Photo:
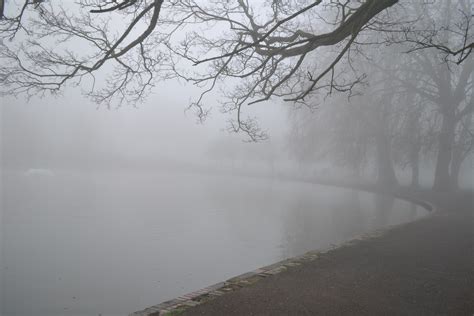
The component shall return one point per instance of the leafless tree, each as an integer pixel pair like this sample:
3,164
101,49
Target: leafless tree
289,49
452,36
438,76
419,102
451,90
463,148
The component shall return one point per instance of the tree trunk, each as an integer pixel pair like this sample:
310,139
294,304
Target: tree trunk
455,169
386,178
2,7
445,143
415,168
460,151
413,132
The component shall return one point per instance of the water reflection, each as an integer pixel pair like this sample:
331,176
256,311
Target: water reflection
414,209
307,227
383,209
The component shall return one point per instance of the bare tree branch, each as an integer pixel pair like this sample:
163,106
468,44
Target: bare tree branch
271,53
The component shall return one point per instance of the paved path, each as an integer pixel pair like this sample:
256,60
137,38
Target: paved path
422,268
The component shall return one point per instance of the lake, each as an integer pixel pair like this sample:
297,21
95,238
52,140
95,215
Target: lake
113,243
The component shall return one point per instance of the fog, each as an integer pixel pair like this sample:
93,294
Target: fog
150,149
71,132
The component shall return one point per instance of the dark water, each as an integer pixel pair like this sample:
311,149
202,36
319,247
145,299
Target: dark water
111,244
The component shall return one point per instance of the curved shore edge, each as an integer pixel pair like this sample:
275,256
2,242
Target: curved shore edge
206,294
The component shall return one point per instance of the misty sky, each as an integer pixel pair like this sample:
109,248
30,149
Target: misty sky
71,126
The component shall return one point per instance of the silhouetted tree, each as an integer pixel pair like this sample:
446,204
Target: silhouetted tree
266,48
443,78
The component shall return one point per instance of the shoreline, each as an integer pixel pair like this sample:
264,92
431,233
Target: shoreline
185,303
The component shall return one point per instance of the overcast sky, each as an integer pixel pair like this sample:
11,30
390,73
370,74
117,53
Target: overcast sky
72,125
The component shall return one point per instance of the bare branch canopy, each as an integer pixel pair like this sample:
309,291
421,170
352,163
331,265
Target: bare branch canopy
268,48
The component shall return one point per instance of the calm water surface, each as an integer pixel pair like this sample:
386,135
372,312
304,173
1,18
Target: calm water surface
110,244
